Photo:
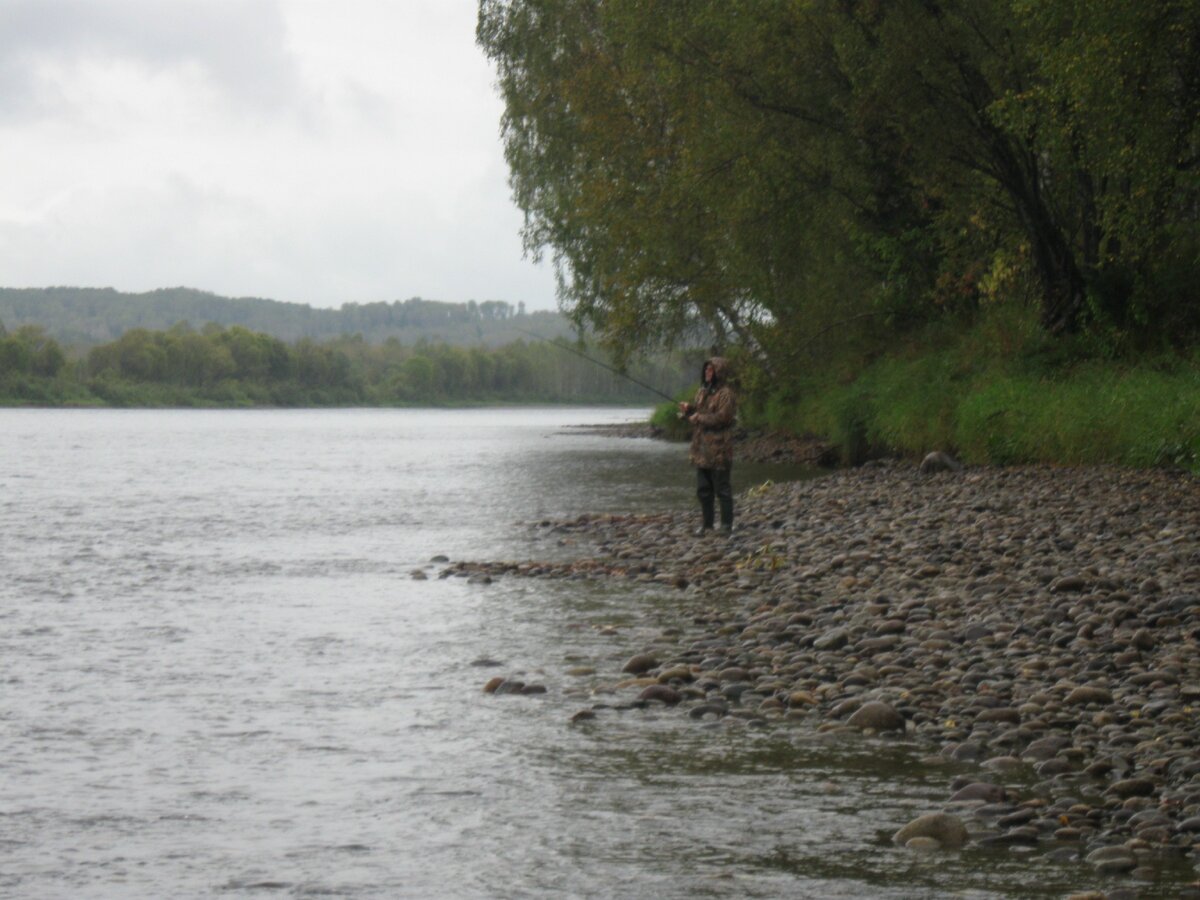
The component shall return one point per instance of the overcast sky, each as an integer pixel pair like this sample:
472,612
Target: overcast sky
314,151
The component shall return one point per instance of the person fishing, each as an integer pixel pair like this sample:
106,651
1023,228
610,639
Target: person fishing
712,416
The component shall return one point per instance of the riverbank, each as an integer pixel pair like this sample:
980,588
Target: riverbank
1037,625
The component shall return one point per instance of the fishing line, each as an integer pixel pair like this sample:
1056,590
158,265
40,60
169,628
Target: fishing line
597,362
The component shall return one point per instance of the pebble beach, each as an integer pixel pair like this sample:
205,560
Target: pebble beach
1037,625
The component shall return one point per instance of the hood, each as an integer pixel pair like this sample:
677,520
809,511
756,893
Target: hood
720,369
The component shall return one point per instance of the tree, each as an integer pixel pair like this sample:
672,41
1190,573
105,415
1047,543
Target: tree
15,358
780,170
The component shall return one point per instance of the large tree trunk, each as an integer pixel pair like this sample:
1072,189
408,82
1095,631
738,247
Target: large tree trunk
1061,281
1058,272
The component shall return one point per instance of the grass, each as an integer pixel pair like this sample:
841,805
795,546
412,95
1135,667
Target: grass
1001,394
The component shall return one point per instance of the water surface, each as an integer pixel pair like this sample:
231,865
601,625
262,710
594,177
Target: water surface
220,679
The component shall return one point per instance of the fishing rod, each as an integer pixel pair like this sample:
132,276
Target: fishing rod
597,362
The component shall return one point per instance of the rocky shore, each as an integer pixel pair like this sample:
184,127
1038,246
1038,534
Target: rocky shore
1038,624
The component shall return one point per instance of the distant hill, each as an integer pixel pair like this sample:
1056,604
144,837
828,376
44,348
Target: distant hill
87,316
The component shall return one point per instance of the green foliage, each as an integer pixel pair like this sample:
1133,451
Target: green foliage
1132,417
815,179
29,351
238,367
996,398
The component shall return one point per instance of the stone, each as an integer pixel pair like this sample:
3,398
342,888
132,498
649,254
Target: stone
980,790
1131,787
1112,860
877,716
1002,764
661,693
938,461
676,673
947,829
1071,583
923,843
639,664
1086,694
832,640
999,714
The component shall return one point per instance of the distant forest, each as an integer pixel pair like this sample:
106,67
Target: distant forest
82,317
451,361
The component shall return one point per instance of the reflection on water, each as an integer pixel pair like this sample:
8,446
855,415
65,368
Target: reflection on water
220,677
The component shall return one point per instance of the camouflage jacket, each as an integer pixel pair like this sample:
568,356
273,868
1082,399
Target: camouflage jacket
715,408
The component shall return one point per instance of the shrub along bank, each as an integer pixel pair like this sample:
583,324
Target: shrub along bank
998,395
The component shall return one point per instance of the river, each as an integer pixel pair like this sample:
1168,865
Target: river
221,678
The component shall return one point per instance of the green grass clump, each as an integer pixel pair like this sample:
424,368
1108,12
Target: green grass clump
1092,415
994,395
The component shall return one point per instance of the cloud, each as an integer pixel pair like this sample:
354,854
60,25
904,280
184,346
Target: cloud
298,149
237,46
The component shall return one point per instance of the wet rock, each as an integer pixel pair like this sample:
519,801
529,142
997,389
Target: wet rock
1002,764
1046,748
922,843
979,790
1112,860
832,640
1020,817
639,664
662,693
1051,767
948,830
877,716
1131,787
708,709
969,751
1087,694
1073,583
999,714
